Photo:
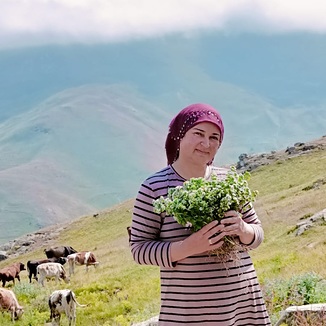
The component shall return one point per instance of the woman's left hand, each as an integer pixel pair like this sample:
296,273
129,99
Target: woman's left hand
235,225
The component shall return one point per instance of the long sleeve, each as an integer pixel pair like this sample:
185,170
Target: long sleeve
147,247
249,216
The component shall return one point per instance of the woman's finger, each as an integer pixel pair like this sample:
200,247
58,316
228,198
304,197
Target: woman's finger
216,238
209,227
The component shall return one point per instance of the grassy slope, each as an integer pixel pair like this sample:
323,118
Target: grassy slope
120,292
281,204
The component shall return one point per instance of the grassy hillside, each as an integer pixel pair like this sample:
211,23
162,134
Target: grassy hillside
106,236
288,195
120,292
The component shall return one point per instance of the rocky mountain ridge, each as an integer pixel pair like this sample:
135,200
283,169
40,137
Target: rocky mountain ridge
47,236
251,162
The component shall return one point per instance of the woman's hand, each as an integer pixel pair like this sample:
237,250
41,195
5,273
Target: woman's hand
208,238
235,225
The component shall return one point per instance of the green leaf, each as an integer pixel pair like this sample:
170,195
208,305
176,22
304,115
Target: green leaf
199,201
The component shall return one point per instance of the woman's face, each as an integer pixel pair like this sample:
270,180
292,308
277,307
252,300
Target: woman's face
200,143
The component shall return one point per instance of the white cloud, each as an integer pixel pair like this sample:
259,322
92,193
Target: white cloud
29,22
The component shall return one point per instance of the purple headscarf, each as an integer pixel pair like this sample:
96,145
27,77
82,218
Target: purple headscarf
186,119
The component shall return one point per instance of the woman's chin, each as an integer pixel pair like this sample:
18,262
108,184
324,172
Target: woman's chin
203,159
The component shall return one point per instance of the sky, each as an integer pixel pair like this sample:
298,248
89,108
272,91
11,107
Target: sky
38,22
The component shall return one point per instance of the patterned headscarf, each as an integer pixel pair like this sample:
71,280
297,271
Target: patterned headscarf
186,119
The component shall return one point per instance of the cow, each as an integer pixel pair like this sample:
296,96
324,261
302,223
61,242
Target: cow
63,301
32,265
8,302
86,258
60,251
11,272
51,270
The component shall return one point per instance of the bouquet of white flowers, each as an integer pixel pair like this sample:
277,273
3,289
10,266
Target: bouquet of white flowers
199,201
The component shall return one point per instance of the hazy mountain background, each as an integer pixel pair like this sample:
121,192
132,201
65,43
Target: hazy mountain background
82,125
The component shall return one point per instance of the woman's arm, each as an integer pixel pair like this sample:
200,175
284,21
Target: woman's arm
146,246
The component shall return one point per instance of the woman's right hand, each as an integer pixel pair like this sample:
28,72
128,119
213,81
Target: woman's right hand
208,238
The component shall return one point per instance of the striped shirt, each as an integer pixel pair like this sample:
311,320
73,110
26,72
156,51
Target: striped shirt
200,289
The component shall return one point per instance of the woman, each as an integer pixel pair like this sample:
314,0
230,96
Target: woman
197,288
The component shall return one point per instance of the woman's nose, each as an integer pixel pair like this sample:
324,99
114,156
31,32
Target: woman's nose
205,142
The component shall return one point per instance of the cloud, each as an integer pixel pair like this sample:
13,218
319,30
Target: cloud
33,22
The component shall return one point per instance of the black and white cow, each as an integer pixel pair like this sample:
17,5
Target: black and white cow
63,301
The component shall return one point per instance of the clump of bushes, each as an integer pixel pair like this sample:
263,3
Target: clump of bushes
298,290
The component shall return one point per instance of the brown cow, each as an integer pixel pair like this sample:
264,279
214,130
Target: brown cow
8,302
60,251
86,258
11,272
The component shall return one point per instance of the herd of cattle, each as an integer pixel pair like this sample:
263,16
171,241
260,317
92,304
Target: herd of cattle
60,301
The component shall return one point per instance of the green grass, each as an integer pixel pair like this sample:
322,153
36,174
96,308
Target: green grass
120,292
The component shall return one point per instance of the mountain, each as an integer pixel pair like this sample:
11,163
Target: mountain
82,126
292,189
79,151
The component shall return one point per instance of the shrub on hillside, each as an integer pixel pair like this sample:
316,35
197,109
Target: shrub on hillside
296,291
